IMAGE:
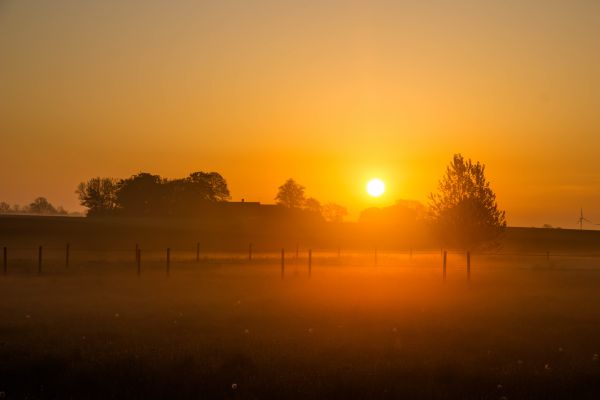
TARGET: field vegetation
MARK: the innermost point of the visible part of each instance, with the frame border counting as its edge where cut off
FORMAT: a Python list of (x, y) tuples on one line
[(226, 327)]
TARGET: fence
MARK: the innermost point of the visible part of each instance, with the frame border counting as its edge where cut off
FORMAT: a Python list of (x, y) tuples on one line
[(36, 260)]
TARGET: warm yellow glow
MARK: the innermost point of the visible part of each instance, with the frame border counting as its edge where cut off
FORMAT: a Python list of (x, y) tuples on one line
[(375, 187), (392, 90)]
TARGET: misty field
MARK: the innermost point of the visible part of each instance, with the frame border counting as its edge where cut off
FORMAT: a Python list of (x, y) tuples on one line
[(523, 327)]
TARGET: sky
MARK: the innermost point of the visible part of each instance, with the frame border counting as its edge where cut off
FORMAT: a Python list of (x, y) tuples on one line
[(330, 93)]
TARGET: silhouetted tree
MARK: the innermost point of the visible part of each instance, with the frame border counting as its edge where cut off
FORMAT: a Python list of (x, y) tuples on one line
[(290, 194), (41, 206), (4, 207), (334, 212), (464, 211), (210, 186), (98, 195), (191, 195), (142, 194), (313, 205)]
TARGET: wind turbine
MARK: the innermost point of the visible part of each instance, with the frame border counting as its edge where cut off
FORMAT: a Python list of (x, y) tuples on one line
[(582, 219)]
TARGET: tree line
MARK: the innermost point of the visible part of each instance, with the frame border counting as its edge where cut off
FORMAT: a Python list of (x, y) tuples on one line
[(463, 212), (39, 206), (146, 194), (291, 195)]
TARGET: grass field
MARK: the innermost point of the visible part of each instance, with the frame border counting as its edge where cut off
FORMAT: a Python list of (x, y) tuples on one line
[(524, 327)]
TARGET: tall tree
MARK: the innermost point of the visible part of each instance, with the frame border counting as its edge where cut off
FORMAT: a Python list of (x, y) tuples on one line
[(464, 211), (98, 195), (290, 194)]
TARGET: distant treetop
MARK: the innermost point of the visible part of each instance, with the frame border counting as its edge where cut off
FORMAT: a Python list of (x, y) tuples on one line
[(39, 206), (290, 194)]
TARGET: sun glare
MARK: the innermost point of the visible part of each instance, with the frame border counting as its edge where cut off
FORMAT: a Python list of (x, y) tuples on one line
[(375, 187)]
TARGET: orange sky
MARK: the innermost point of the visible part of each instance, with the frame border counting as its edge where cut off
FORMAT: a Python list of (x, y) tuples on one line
[(330, 93)]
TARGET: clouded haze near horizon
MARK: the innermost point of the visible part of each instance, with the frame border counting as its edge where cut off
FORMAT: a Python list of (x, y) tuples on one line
[(330, 93)]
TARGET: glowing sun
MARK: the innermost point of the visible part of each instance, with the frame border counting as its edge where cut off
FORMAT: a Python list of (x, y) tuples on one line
[(375, 187)]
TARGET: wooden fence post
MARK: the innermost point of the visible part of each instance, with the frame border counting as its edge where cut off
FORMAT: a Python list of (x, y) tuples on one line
[(309, 262), (282, 263), (198, 252), (445, 258), (67, 255), (39, 260), (137, 247), (468, 265), (168, 261), (139, 261), (5, 258)]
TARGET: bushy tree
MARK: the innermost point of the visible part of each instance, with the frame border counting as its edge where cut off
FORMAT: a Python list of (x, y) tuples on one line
[(210, 186), (142, 194), (189, 196), (290, 194), (464, 211), (313, 205), (333, 212), (41, 205), (4, 207), (98, 195)]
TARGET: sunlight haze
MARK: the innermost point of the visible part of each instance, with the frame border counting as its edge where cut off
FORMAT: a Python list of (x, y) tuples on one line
[(329, 93)]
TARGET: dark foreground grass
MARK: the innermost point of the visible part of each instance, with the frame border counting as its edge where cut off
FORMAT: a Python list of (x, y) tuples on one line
[(518, 331)]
